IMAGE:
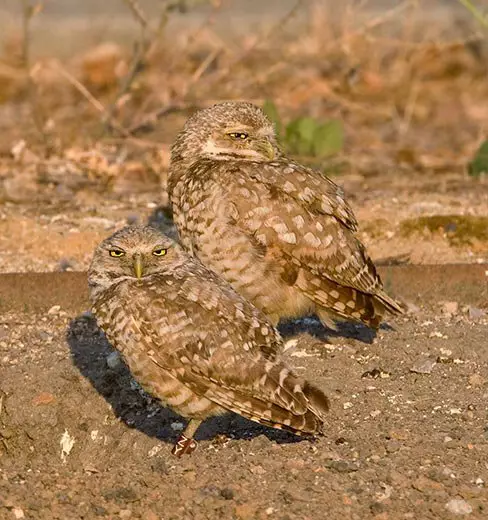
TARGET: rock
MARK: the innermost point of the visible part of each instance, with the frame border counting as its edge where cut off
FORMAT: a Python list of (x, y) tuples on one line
[(375, 373), (113, 360), (159, 465), (177, 426), (458, 506), (426, 484), (423, 365), (99, 510), (125, 513), (342, 466), (397, 479), (257, 470), (18, 512), (475, 314), (476, 380), (54, 310), (43, 398), (377, 508), (450, 307), (392, 446), (227, 493)]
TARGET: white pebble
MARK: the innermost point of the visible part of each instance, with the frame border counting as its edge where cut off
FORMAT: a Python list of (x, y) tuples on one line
[(177, 426), (54, 309), (113, 360), (458, 506), (18, 513)]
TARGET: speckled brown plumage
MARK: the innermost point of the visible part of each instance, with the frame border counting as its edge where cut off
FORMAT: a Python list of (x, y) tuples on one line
[(280, 233), (191, 340)]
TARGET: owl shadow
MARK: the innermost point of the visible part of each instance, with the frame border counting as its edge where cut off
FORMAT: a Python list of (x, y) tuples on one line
[(100, 364), (344, 329)]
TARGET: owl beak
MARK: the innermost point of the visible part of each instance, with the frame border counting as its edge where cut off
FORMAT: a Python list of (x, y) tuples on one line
[(138, 266), (266, 148)]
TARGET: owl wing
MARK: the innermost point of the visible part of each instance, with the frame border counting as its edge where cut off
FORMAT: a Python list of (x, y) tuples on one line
[(315, 192), (221, 355), (303, 215), (245, 382)]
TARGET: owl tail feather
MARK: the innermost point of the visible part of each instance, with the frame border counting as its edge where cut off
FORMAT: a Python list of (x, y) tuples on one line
[(333, 300)]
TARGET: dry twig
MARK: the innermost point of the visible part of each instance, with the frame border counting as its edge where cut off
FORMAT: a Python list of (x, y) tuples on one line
[(217, 76), (142, 48), (91, 99)]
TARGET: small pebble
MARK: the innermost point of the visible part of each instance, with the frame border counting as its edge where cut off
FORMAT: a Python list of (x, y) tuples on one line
[(458, 506), (227, 493), (450, 307), (342, 466), (392, 446), (54, 309), (475, 314), (113, 360), (65, 264), (18, 512), (423, 365)]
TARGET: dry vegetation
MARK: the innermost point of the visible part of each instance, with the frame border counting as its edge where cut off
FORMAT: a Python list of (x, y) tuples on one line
[(408, 85)]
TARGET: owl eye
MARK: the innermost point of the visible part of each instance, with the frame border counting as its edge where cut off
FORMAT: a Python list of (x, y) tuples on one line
[(116, 253), (159, 252), (238, 135)]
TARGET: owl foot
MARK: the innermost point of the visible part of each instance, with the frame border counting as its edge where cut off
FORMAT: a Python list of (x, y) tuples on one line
[(184, 445)]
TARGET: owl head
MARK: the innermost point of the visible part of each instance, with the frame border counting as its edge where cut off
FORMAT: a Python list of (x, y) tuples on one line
[(132, 252), (230, 130)]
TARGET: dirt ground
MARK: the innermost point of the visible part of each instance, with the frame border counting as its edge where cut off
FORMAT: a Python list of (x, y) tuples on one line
[(407, 435)]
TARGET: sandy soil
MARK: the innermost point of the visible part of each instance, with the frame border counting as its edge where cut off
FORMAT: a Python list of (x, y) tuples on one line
[(78, 439)]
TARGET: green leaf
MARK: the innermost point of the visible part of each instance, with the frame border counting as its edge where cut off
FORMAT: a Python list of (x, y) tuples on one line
[(269, 108), (328, 139), (479, 164), (299, 135)]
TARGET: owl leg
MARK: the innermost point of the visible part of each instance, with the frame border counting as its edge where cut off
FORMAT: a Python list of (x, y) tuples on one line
[(186, 443)]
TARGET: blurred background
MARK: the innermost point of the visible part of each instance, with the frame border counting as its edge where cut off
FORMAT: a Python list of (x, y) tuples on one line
[(388, 97)]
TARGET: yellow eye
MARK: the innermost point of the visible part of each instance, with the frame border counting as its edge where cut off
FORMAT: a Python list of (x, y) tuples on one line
[(116, 253), (238, 135), (159, 252)]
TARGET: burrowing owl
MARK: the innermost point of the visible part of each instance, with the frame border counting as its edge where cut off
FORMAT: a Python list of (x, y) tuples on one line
[(280, 233), (191, 340)]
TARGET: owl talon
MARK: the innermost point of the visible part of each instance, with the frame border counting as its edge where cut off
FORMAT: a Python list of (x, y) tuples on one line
[(184, 445)]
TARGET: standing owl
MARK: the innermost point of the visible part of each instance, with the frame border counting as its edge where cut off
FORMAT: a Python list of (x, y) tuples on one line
[(280, 233), (192, 341)]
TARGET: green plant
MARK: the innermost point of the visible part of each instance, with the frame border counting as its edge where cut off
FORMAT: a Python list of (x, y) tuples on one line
[(479, 165), (475, 12), (306, 136)]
